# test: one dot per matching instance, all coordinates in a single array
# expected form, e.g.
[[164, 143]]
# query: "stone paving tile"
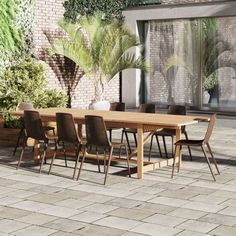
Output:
[[169, 201], [224, 231], [12, 213], [197, 226], [88, 216], [61, 233], [164, 220], [155, 230], [132, 214], [192, 233], [231, 211], [67, 225], [59, 211], [99, 198], [99, 208], [35, 231], [5, 201], [30, 205], [210, 199], [9, 226], [73, 203], [219, 219], [36, 219], [141, 196], [123, 202], [187, 213], [118, 222], [132, 234], [96, 230], [46, 198]]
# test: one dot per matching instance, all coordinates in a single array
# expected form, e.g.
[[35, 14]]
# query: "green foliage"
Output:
[[22, 82], [76, 8], [12, 122], [100, 48], [10, 36], [214, 47]]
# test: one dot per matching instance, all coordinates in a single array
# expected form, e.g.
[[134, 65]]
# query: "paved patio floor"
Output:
[[35, 204]]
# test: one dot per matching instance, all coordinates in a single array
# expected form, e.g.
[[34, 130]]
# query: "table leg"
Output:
[[140, 152], [177, 152]]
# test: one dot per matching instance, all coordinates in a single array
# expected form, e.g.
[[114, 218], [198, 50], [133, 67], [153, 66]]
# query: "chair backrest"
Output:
[[147, 108], [210, 128], [176, 110], [96, 132], [33, 125], [66, 129], [117, 106]]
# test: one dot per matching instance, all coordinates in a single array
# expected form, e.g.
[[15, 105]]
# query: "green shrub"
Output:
[[25, 81]]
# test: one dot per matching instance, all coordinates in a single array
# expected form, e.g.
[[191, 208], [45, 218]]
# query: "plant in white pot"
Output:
[[101, 49]]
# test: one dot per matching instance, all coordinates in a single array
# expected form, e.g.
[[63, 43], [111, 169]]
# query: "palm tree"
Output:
[[100, 48]]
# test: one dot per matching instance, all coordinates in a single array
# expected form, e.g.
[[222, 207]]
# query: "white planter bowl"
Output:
[[100, 105]]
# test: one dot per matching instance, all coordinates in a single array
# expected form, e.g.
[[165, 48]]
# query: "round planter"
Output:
[[100, 105], [25, 106]]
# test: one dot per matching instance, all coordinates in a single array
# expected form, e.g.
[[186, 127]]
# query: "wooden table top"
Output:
[[127, 119]]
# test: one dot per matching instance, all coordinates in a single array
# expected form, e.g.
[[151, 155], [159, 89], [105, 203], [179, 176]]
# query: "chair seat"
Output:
[[189, 142]]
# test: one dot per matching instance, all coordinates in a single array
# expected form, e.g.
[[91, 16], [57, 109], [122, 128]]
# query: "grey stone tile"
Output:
[[46, 198], [9, 226], [219, 219], [141, 196], [155, 230], [34, 230], [187, 213], [88, 216], [99, 208], [192, 233], [209, 199], [96, 230], [197, 226], [169, 201], [132, 234], [123, 202], [30, 205], [36, 219], [117, 222], [73, 203], [224, 230], [67, 225], [155, 208], [99, 198], [165, 220], [12, 213], [133, 214], [62, 233], [5, 201]]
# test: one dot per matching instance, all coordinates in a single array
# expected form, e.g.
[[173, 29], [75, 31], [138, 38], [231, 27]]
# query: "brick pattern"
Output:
[[47, 14]]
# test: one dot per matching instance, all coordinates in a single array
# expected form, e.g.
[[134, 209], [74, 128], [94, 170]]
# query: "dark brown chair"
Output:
[[145, 108], [22, 132], [67, 135], [200, 143], [172, 110], [34, 129], [96, 135], [115, 106]]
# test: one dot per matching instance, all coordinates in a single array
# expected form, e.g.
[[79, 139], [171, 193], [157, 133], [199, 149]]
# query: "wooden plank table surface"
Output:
[[140, 121]]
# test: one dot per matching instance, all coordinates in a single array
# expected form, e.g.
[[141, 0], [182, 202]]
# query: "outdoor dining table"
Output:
[[141, 121]]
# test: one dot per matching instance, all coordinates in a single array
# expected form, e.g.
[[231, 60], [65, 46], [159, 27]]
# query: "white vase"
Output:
[[100, 105], [206, 97]]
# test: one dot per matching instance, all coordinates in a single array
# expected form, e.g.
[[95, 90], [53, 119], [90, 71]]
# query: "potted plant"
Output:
[[101, 48]]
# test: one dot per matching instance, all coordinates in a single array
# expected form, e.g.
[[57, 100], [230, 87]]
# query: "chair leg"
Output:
[[208, 162], [110, 134], [173, 165], [54, 155], [108, 164], [64, 151], [127, 157], [189, 149], [99, 169], [135, 140], [77, 150], [150, 148], [81, 164], [172, 145], [158, 144], [213, 158], [44, 155], [22, 152], [127, 140], [164, 142], [18, 140], [104, 161]]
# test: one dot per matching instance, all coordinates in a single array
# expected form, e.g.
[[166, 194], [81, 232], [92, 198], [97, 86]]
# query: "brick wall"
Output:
[[47, 14]]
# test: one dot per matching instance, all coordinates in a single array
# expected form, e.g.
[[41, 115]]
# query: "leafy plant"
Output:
[[100, 48], [10, 36], [24, 81], [12, 122]]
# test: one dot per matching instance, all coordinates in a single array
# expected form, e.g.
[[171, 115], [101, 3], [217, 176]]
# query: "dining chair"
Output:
[[67, 136], [143, 108], [34, 129], [96, 135], [200, 143], [115, 106], [172, 110]]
